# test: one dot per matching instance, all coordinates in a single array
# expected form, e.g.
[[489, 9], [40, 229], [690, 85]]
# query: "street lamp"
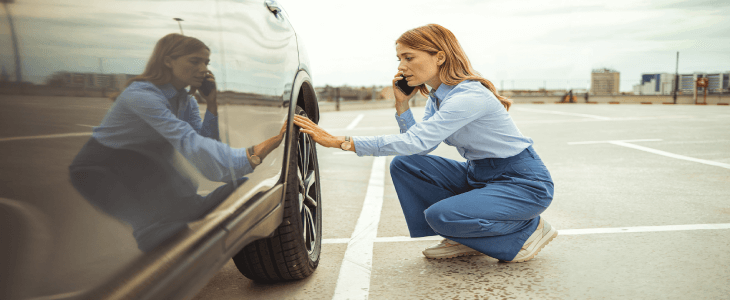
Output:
[[14, 38], [178, 24]]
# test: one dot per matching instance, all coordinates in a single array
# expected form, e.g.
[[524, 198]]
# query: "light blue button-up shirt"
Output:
[[142, 119], [467, 116]]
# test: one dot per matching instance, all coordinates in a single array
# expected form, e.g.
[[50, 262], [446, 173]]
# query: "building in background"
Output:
[[605, 82], [89, 81], [687, 82], [718, 82], [655, 84], [330, 93]]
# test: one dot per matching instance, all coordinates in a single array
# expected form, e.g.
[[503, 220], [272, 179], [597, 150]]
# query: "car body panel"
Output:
[[72, 56]]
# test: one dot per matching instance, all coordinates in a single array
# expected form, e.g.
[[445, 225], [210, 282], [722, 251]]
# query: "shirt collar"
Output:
[[442, 91], [169, 90]]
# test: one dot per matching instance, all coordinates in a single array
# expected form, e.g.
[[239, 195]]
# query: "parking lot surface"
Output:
[[642, 205]]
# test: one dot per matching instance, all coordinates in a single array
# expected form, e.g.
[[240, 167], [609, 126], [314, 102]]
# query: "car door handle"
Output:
[[273, 7]]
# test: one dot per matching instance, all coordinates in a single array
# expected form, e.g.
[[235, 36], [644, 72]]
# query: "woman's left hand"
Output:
[[317, 133]]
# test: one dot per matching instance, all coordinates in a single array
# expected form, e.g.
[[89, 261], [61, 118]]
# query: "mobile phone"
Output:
[[206, 87], [404, 87]]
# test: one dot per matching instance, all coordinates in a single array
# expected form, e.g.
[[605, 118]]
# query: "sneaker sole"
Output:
[[453, 255], [543, 242]]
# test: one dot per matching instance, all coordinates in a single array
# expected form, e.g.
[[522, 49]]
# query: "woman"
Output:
[[128, 167], [491, 203]]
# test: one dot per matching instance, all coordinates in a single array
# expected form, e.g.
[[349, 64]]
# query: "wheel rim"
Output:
[[308, 193]]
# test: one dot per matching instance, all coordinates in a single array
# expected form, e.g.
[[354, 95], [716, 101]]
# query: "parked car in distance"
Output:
[[91, 233]]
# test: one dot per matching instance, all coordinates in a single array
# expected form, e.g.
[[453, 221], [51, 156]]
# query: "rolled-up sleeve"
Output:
[[207, 127], [212, 158], [405, 120], [210, 126], [457, 111]]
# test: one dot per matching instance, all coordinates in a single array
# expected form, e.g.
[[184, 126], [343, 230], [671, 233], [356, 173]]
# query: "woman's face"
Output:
[[189, 70], [419, 67]]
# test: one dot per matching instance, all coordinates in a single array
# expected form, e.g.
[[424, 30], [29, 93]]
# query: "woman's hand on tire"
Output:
[[317, 134]]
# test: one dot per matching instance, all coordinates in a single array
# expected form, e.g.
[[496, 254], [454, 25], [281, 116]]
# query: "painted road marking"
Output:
[[562, 113], [625, 143], [353, 281], [636, 229], [672, 155], [369, 128], [607, 142], [355, 122], [92, 126], [601, 120], [48, 136]]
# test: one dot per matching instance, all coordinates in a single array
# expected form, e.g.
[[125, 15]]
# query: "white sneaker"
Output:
[[541, 237], [448, 249]]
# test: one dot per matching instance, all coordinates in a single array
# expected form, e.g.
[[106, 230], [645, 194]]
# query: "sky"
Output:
[[518, 44]]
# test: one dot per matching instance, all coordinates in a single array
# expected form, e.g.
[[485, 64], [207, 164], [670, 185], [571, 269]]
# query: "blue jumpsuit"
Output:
[[493, 201]]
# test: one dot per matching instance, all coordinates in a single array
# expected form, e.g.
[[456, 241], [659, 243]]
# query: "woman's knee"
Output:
[[440, 220], [400, 163]]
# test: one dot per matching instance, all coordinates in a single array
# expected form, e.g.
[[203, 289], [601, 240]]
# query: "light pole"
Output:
[[676, 78], [18, 74], [178, 24]]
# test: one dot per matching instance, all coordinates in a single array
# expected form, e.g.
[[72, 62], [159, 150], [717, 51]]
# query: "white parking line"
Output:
[[636, 229], [48, 136], [353, 281], [672, 155], [344, 153], [624, 143], [561, 113], [92, 126], [608, 142], [369, 128], [355, 122]]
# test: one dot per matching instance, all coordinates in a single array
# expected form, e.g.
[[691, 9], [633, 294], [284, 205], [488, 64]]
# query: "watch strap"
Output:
[[347, 140], [251, 154]]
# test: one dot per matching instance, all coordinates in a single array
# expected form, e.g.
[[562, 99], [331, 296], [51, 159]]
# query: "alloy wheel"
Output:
[[308, 194]]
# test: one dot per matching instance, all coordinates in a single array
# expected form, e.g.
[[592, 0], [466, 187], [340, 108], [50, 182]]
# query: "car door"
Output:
[[61, 62], [261, 61]]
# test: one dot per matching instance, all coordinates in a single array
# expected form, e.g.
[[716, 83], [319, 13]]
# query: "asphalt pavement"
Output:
[[642, 205]]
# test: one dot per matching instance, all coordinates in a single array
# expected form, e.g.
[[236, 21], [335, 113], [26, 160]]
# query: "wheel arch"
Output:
[[303, 95]]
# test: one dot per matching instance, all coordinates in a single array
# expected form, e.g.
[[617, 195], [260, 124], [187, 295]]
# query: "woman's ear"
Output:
[[167, 61], [440, 58]]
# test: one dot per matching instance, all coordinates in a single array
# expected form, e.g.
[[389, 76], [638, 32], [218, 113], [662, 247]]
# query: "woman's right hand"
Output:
[[400, 97]]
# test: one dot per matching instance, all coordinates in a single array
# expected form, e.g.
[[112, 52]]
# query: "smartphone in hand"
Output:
[[404, 87], [206, 87]]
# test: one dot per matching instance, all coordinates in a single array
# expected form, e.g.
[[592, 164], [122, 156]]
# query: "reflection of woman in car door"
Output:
[[128, 168], [490, 204]]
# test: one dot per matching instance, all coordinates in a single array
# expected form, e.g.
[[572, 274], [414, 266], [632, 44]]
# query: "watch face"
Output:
[[345, 146], [255, 159]]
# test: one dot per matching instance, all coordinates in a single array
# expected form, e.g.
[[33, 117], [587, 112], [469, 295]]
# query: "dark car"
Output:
[[72, 231]]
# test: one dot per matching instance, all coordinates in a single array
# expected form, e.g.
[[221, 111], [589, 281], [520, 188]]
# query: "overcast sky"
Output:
[[520, 44]]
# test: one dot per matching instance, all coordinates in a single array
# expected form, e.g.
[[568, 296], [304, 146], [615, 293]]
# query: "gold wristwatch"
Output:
[[346, 144], [253, 159]]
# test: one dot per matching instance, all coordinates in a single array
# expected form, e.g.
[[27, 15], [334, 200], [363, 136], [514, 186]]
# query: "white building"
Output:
[[655, 84], [663, 83], [719, 82]]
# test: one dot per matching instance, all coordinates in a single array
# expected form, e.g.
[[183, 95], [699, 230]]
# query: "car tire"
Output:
[[292, 252]]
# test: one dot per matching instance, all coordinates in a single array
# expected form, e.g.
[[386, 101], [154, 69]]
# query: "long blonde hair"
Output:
[[433, 38], [173, 45]]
